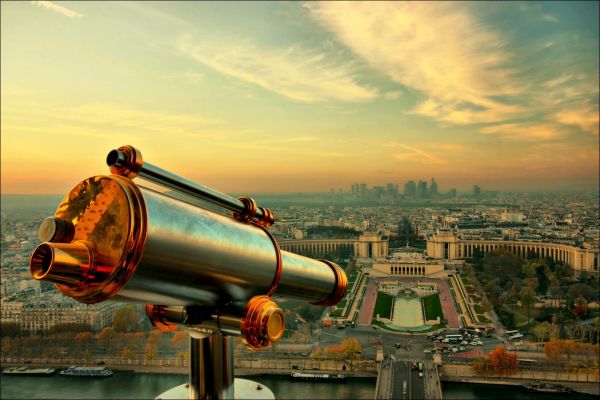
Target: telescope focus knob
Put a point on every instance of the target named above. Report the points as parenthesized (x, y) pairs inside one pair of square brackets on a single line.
[(263, 323)]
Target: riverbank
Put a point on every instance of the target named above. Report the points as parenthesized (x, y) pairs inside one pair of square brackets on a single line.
[(184, 370), (581, 387)]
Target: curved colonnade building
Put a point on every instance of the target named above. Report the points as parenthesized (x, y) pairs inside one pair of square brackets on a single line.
[(447, 245)]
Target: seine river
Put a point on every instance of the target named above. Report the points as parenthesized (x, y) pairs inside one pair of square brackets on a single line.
[(128, 385)]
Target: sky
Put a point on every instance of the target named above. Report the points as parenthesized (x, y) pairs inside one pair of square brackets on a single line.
[(302, 96)]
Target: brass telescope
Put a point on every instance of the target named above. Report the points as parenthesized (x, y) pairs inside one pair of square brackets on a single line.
[(111, 238)]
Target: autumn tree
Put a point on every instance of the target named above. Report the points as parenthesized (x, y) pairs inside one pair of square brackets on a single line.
[(553, 350), (351, 348), (126, 319), (503, 362), (180, 339), (481, 366)]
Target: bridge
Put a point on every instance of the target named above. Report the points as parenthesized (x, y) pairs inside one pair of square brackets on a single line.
[(398, 379)]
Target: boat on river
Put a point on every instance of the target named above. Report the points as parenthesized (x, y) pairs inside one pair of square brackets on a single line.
[(90, 372), (316, 376), (548, 388), (27, 371)]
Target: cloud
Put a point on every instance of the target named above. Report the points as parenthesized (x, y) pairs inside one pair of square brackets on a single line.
[(294, 72), (549, 18), (558, 81), (56, 8), (528, 132), (415, 154), (586, 118), (439, 49), (392, 95)]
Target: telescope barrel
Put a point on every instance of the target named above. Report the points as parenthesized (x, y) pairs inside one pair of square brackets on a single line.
[(134, 244), (127, 161)]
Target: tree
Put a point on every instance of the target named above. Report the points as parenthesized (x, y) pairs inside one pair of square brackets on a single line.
[(481, 366), (352, 348), (6, 345), (544, 331), (528, 298), (180, 338), (503, 362), (126, 319), (553, 350), (104, 337)]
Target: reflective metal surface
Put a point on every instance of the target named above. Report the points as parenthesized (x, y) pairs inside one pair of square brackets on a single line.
[(152, 248), (211, 367), (127, 161)]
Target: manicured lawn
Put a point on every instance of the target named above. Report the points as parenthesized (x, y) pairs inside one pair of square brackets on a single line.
[(433, 307), (478, 309), (483, 319), (383, 306)]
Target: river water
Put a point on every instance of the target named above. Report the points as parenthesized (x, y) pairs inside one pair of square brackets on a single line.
[(129, 385)]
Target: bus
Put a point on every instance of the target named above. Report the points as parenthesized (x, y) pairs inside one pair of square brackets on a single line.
[(515, 337), (510, 333), (454, 337), (420, 366)]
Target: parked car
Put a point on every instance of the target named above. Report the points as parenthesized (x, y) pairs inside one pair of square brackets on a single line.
[(420, 374), (461, 349), (464, 343)]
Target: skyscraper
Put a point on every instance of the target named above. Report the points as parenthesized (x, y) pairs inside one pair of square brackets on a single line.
[(410, 189), (433, 190), (422, 190)]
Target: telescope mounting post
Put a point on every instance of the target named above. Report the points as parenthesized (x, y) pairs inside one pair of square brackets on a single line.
[(211, 366)]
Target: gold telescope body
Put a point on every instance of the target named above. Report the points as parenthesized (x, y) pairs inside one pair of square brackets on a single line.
[(113, 239)]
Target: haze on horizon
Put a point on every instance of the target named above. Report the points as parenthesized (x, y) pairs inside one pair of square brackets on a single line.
[(302, 97)]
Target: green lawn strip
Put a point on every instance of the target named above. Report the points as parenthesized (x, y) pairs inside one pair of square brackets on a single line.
[(478, 309), (483, 319), (433, 307), (383, 305)]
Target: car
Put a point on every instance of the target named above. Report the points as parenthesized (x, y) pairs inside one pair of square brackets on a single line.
[(446, 340), (420, 374), (473, 344), (464, 343), (426, 351), (479, 343), (304, 354), (315, 368), (461, 349), (294, 367), (454, 350), (397, 345)]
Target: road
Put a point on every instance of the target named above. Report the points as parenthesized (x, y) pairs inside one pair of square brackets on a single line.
[(406, 383)]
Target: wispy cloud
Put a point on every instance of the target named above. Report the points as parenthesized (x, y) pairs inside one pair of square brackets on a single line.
[(439, 49), (414, 154), (586, 118), (59, 9), (294, 72), (549, 18), (392, 95), (527, 132)]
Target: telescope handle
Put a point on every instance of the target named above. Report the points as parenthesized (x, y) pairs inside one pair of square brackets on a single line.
[(127, 161)]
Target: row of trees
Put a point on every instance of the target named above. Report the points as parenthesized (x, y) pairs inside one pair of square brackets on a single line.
[(498, 362), (567, 350), (108, 342), (348, 349)]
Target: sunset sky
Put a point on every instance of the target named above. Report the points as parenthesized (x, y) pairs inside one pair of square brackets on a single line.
[(288, 97)]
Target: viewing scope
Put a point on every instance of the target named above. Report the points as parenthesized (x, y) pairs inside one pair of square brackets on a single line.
[(111, 238)]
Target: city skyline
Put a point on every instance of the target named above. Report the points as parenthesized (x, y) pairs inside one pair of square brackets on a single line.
[(291, 97)]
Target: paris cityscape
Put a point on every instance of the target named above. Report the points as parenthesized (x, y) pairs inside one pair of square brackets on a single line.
[(441, 249), (300, 200)]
